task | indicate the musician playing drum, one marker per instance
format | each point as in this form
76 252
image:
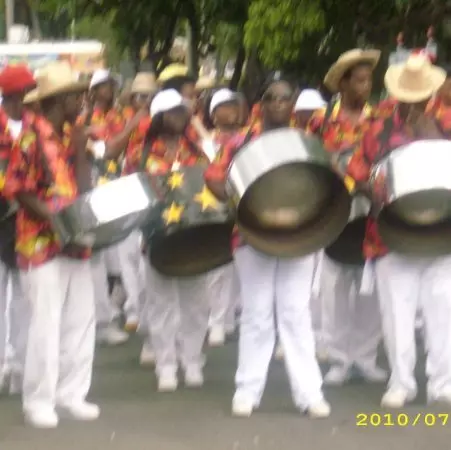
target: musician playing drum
407 283
352 322
46 174
272 289
178 307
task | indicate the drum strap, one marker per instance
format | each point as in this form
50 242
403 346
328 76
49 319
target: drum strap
328 113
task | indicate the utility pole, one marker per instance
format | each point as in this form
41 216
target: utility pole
9 16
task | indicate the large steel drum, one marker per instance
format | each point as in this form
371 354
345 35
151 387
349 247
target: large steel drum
289 201
108 213
348 248
411 187
192 232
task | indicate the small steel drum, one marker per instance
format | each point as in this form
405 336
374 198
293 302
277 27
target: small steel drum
192 234
348 248
289 200
411 187
108 213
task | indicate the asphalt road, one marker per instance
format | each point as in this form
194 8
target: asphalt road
135 417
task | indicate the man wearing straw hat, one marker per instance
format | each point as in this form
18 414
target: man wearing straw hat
405 283
15 81
352 329
47 172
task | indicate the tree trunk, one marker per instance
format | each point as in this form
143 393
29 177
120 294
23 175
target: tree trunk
238 69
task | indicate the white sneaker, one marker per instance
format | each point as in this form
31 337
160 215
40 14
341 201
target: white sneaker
216 337
167 383
337 376
443 397
147 356
81 411
111 335
45 418
320 410
374 374
194 378
395 398
279 354
242 407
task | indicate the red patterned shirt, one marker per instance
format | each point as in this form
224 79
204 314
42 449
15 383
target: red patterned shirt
39 165
383 136
134 146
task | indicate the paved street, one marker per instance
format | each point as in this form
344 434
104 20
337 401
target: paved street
135 417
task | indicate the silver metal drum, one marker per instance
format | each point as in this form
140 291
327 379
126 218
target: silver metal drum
289 201
348 248
108 213
411 187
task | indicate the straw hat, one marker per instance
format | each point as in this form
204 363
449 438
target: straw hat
58 78
173 71
204 83
31 97
144 83
415 80
345 62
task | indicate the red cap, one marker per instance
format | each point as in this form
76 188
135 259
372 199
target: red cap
16 79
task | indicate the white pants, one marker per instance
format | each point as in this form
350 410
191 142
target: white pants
276 289
222 292
106 311
130 256
112 262
404 285
352 321
60 350
178 320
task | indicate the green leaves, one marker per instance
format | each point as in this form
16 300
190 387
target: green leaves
277 28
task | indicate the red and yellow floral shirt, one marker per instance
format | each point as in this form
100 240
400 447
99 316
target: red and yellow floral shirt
442 114
134 147
383 136
106 126
217 170
39 165
339 133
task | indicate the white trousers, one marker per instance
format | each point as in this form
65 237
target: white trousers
106 311
352 324
279 290
60 350
222 292
14 317
178 320
130 256
112 262
404 285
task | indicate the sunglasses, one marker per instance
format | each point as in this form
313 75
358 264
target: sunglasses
270 98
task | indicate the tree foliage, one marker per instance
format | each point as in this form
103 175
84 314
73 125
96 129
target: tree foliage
277 28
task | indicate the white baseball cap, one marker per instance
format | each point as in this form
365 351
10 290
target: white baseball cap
101 76
220 97
165 101
309 100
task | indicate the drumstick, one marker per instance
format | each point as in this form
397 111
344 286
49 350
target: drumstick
208 145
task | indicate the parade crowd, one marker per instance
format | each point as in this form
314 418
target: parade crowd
57 301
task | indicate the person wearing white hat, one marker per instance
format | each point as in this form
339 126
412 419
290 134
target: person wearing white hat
57 281
223 115
406 283
177 306
308 102
350 317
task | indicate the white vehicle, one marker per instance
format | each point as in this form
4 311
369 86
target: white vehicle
84 56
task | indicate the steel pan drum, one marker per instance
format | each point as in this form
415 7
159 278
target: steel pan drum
411 187
289 201
347 249
193 232
108 213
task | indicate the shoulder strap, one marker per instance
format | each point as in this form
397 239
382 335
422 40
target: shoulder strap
147 146
327 114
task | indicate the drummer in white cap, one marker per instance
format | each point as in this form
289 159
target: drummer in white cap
406 283
309 101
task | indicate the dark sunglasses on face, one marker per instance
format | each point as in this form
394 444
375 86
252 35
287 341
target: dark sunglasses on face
270 98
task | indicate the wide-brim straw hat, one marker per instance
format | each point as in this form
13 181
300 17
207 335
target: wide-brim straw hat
414 81
31 97
58 78
144 83
346 61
